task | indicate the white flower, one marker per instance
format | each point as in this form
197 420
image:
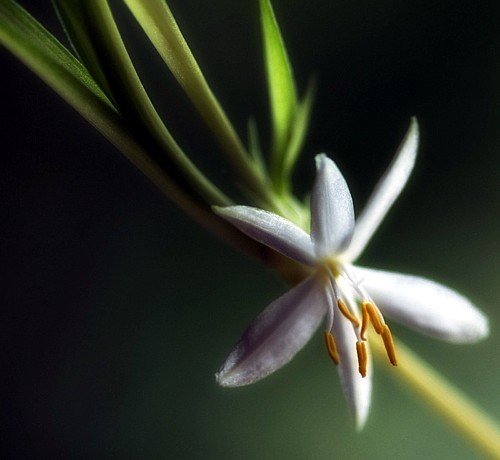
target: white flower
351 296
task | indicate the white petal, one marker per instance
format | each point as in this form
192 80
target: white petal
425 305
276 335
332 213
272 230
357 389
386 191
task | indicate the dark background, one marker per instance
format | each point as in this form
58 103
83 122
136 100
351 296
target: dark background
117 310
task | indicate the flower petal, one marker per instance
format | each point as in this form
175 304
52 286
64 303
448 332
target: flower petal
386 191
332 213
276 335
272 230
425 305
357 389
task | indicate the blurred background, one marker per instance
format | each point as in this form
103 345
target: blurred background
117 310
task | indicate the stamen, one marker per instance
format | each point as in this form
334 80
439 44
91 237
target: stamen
362 357
389 345
364 321
347 313
375 316
332 347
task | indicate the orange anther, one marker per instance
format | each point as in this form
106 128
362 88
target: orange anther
347 313
362 357
364 321
389 345
332 347
375 316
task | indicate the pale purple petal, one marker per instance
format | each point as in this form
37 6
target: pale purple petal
332 213
276 335
272 230
425 305
386 191
357 389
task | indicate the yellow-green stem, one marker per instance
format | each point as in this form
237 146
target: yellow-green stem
444 397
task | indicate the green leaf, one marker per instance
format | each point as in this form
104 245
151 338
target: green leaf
92 28
254 145
73 20
52 62
160 26
30 42
299 129
281 85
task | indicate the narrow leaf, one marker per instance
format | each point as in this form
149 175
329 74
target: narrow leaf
73 20
160 26
254 145
21 34
31 43
299 129
92 28
281 86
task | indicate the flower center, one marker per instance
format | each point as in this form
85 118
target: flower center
346 295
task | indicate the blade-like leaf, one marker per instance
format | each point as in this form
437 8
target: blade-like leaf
52 62
299 128
281 86
73 20
160 26
31 43
92 28
254 145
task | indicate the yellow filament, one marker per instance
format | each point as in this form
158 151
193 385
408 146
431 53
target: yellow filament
362 357
332 347
375 316
347 313
389 345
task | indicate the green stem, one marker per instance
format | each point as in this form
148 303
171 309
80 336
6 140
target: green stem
444 397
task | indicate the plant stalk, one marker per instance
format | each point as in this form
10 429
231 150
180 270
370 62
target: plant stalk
453 405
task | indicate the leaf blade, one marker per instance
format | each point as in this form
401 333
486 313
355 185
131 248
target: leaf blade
21 34
33 45
281 84
92 27
299 129
159 24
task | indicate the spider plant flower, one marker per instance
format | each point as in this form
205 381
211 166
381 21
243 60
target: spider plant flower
351 297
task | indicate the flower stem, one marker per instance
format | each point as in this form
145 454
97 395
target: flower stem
449 401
